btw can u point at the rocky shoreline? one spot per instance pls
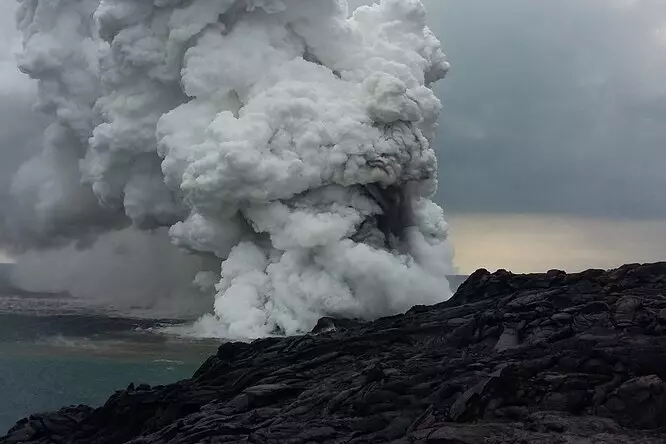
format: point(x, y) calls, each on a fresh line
point(547, 358)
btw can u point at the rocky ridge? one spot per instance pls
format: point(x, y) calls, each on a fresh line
point(548, 358)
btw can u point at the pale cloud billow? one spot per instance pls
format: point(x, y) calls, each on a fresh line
point(274, 137)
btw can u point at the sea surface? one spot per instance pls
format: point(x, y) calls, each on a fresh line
point(56, 351)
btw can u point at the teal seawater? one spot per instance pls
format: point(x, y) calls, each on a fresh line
point(47, 362)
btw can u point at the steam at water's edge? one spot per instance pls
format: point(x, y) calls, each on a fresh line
point(285, 139)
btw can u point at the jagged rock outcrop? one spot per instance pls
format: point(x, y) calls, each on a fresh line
point(547, 358)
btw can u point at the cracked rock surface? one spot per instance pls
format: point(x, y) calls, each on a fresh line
point(540, 358)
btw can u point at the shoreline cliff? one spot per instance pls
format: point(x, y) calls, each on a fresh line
point(548, 358)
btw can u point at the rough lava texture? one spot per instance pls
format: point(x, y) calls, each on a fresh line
point(542, 358)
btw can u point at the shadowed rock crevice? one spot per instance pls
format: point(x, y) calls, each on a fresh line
point(548, 358)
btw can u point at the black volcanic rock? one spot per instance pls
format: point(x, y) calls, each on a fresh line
point(541, 358)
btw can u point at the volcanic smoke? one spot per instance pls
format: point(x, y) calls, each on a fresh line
point(286, 139)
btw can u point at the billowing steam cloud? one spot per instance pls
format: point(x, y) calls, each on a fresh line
point(289, 141)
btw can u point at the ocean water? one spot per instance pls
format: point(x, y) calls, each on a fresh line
point(55, 353)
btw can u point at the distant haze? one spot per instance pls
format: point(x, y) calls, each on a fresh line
point(5, 258)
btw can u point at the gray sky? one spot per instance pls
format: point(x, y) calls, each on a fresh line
point(553, 136)
point(554, 107)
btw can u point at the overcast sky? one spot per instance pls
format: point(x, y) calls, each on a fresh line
point(554, 107)
point(553, 136)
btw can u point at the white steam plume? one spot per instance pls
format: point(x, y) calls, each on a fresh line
point(290, 141)
point(60, 50)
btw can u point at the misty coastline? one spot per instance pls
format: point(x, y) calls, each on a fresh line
point(47, 341)
point(536, 357)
